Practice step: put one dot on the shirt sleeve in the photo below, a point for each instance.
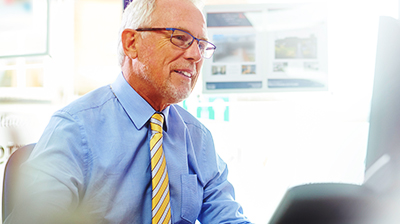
(50, 182)
(219, 205)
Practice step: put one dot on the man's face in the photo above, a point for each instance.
(168, 71)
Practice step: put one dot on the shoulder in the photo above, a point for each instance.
(90, 101)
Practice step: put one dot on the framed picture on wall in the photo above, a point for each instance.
(267, 48)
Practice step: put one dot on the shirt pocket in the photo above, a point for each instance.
(192, 197)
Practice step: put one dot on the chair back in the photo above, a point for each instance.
(10, 176)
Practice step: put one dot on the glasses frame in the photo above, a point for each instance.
(183, 47)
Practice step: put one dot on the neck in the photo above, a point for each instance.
(139, 85)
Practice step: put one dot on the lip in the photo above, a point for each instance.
(185, 72)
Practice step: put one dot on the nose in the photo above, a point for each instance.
(193, 52)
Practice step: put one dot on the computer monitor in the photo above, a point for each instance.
(382, 165)
(377, 200)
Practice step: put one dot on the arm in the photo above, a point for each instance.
(219, 205)
(51, 181)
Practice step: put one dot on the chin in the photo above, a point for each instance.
(178, 97)
(177, 94)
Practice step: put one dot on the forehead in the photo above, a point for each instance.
(180, 14)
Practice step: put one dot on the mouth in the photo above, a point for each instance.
(184, 73)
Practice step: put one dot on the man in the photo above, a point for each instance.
(93, 163)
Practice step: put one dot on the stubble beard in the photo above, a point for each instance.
(167, 89)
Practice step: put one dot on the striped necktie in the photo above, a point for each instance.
(161, 211)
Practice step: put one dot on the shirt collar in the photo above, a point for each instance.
(137, 108)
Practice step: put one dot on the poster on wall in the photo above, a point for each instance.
(235, 58)
(263, 48)
(296, 62)
(234, 64)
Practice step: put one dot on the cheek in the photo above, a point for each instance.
(152, 48)
(199, 65)
(162, 44)
(194, 81)
(162, 54)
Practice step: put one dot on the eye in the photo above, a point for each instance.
(181, 37)
(202, 45)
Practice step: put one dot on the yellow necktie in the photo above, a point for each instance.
(161, 210)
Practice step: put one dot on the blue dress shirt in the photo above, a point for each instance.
(94, 158)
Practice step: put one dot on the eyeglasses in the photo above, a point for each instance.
(184, 40)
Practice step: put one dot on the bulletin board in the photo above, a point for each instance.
(264, 48)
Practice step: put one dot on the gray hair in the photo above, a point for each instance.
(138, 14)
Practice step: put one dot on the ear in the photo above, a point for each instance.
(128, 39)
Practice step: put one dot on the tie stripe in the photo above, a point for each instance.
(161, 208)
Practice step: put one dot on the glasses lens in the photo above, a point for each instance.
(206, 48)
(184, 40)
(181, 39)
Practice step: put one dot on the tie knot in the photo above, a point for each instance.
(156, 122)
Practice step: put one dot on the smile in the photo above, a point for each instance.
(184, 73)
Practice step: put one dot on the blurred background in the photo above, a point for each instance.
(54, 51)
